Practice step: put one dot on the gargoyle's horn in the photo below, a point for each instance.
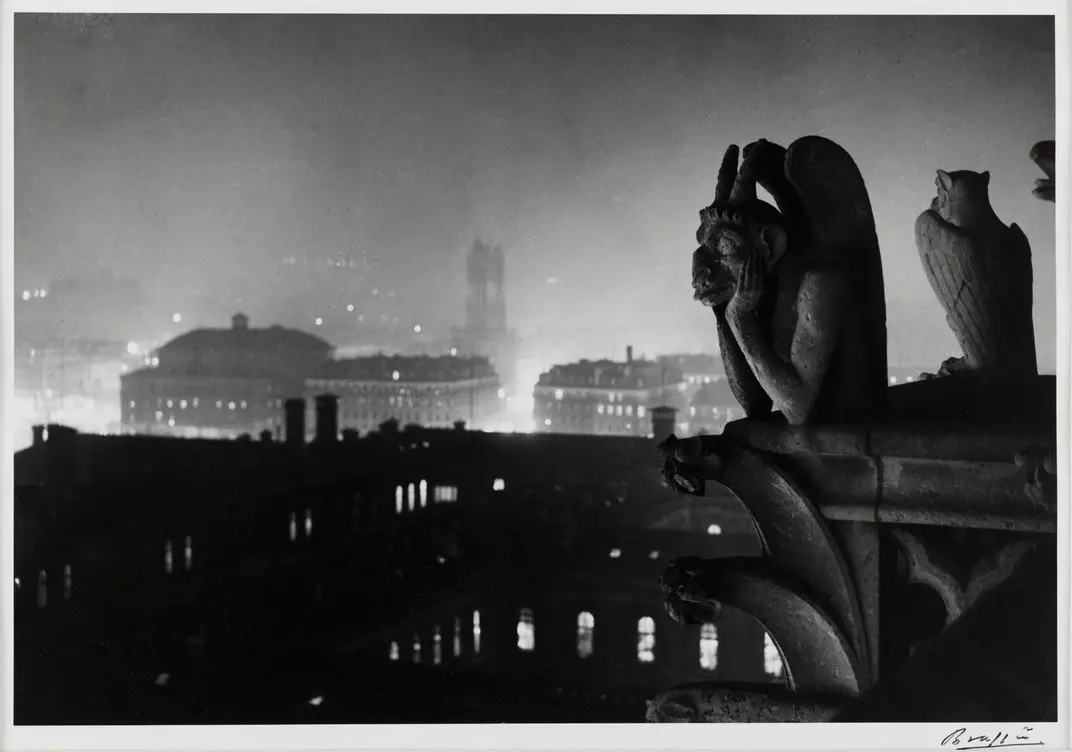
(727, 173)
(744, 189)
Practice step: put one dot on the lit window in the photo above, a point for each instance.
(772, 657)
(526, 631)
(196, 400)
(893, 379)
(547, 421)
(437, 647)
(502, 394)
(395, 375)
(498, 485)
(559, 394)
(586, 625)
(42, 589)
(394, 651)
(629, 410)
(653, 555)
(243, 404)
(708, 647)
(318, 321)
(416, 648)
(453, 351)
(293, 526)
(67, 582)
(424, 493)
(457, 637)
(476, 632)
(25, 294)
(618, 410)
(692, 411)
(610, 397)
(176, 318)
(171, 422)
(714, 529)
(182, 404)
(646, 640)
(132, 403)
(399, 493)
(188, 553)
(219, 403)
(350, 307)
(615, 553)
(628, 426)
(230, 406)
(707, 379)
(308, 522)
(640, 411)
(412, 497)
(600, 408)
(170, 403)
(169, 560)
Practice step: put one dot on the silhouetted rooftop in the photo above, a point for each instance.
(410, 368)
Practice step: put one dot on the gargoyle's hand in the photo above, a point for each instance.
(750, 285)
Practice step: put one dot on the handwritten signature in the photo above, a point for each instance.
(961, 739)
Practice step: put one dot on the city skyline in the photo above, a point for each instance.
(197, 153)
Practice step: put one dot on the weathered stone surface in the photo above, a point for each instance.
(711, 702)
(797, 291)
(980, 269)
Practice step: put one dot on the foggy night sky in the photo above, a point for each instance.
(196, 152)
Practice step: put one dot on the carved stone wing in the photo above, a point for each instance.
(835, 200)
(958, 274)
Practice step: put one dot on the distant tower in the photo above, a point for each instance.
(485, 307)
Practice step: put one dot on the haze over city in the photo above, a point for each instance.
(198, 154)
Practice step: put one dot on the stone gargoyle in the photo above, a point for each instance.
(980, 270)
(796, 290)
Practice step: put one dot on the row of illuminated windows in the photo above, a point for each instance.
(437, 642)
(586, 625)
(196, 402)
(610, 410)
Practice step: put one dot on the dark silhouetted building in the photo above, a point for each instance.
(429, 391)
(606, 397)
(505, 577)
(221, 382)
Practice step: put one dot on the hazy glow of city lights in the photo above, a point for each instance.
(417, 328)
(177, 318)
(132, 348)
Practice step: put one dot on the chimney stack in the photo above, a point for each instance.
(629, 354)
(327, 418)
(662, 422)
(38, 435)
(295, 421)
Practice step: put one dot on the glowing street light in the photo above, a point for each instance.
(350, 308)
(25, 294)
(453, 351)
(395, 376)
(417, 328)
(319, 321)
(177, 318)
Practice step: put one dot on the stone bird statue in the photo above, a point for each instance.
(980, 269)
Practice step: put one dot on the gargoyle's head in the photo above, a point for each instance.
(734, 225)
(687, 601)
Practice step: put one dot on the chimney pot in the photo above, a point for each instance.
(295, 421)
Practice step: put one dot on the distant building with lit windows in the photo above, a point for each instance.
(434, 392)
(606, 397)
(711, 408)
(221, 382)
